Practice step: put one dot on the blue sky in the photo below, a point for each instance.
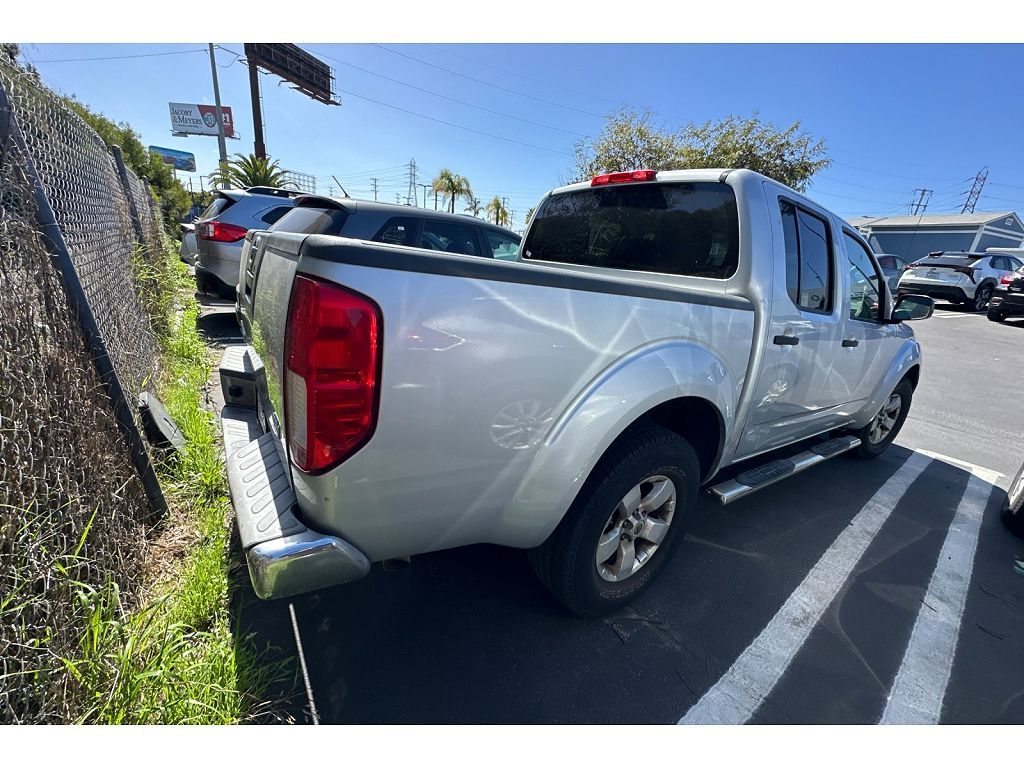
(894, 117)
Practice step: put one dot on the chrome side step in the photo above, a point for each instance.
(757, 478)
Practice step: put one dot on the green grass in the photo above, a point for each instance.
(175, 660)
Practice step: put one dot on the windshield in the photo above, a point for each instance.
(947, 260)
(679, 229)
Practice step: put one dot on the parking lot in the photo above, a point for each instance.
(837, 596)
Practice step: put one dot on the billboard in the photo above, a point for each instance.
(199, 120)
(307, 73)
(182, 161)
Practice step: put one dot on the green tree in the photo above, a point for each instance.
(497, 209)
(250, 171)
(173, 198)
(451, 186)
(630, 140)
(529, 215)
(474, 207)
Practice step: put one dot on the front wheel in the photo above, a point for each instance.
(624, 525)
(883, 428)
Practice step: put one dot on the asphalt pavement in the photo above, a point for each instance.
(856, 592)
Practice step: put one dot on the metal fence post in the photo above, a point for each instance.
(122, 171)
(54, 238)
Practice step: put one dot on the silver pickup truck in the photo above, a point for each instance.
(656, 329)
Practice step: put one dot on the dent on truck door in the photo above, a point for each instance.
(797, 392)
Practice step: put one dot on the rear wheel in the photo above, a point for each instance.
(883, 428)
(981, 298)
(995, 315)
(625, 524)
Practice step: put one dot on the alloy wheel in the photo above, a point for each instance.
(636, 528)
(886, 419)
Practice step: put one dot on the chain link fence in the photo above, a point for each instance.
(80, 247)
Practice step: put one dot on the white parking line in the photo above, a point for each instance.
(920, 685)
(736, 696)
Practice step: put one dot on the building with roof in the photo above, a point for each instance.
(914, 237)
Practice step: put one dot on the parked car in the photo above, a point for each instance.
(189, 248)
(400, 225)
(221, 229)
(892, 268)
(958, 276)
(1012, 514)
(1008, 298)
(657, 328)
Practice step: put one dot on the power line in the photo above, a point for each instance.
(126, 56)
(455, 125)
(524, 77)
(484, 82)
(893, 175)
(451, 98)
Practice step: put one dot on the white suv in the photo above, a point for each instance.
(957, 276)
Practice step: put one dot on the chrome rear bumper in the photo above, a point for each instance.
(284, 556)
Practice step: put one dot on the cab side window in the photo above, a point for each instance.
(808, 241)
(865, 303)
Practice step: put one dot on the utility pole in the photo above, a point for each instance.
(374, 189)
(410, 196)
(220, 118)
(920, 205)
(425, 188)
(257, 111)
(979, 184)
(435, 199)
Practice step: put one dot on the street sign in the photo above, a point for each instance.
(182, 161)
(199, 120)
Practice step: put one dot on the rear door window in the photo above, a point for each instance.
(450, 237)
(808, 239)
(687, 229)
(503, 246)
(399, 230)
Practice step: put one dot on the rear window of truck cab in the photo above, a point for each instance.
(687, 229)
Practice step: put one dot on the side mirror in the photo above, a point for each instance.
(911, 307)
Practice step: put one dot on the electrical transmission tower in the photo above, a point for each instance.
(979, 184)
(920, 205)
(410, 196)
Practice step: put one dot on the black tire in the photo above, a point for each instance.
(1012, 514)
(982, 295)
(566, 562)
(870, 450)
(995, 315)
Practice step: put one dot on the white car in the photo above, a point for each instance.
(958, 276)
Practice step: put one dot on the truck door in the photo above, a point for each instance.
(867, 343)
(796, 394)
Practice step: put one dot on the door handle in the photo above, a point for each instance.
(850, 342)
(786, 341)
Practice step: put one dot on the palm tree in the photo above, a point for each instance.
(453, 186)
(251, 171)
(497, 209)
(474, 207)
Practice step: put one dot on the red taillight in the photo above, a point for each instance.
(969, 271)
(622, 178)
(332, 355)
(222, 233)
(1006, 279)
